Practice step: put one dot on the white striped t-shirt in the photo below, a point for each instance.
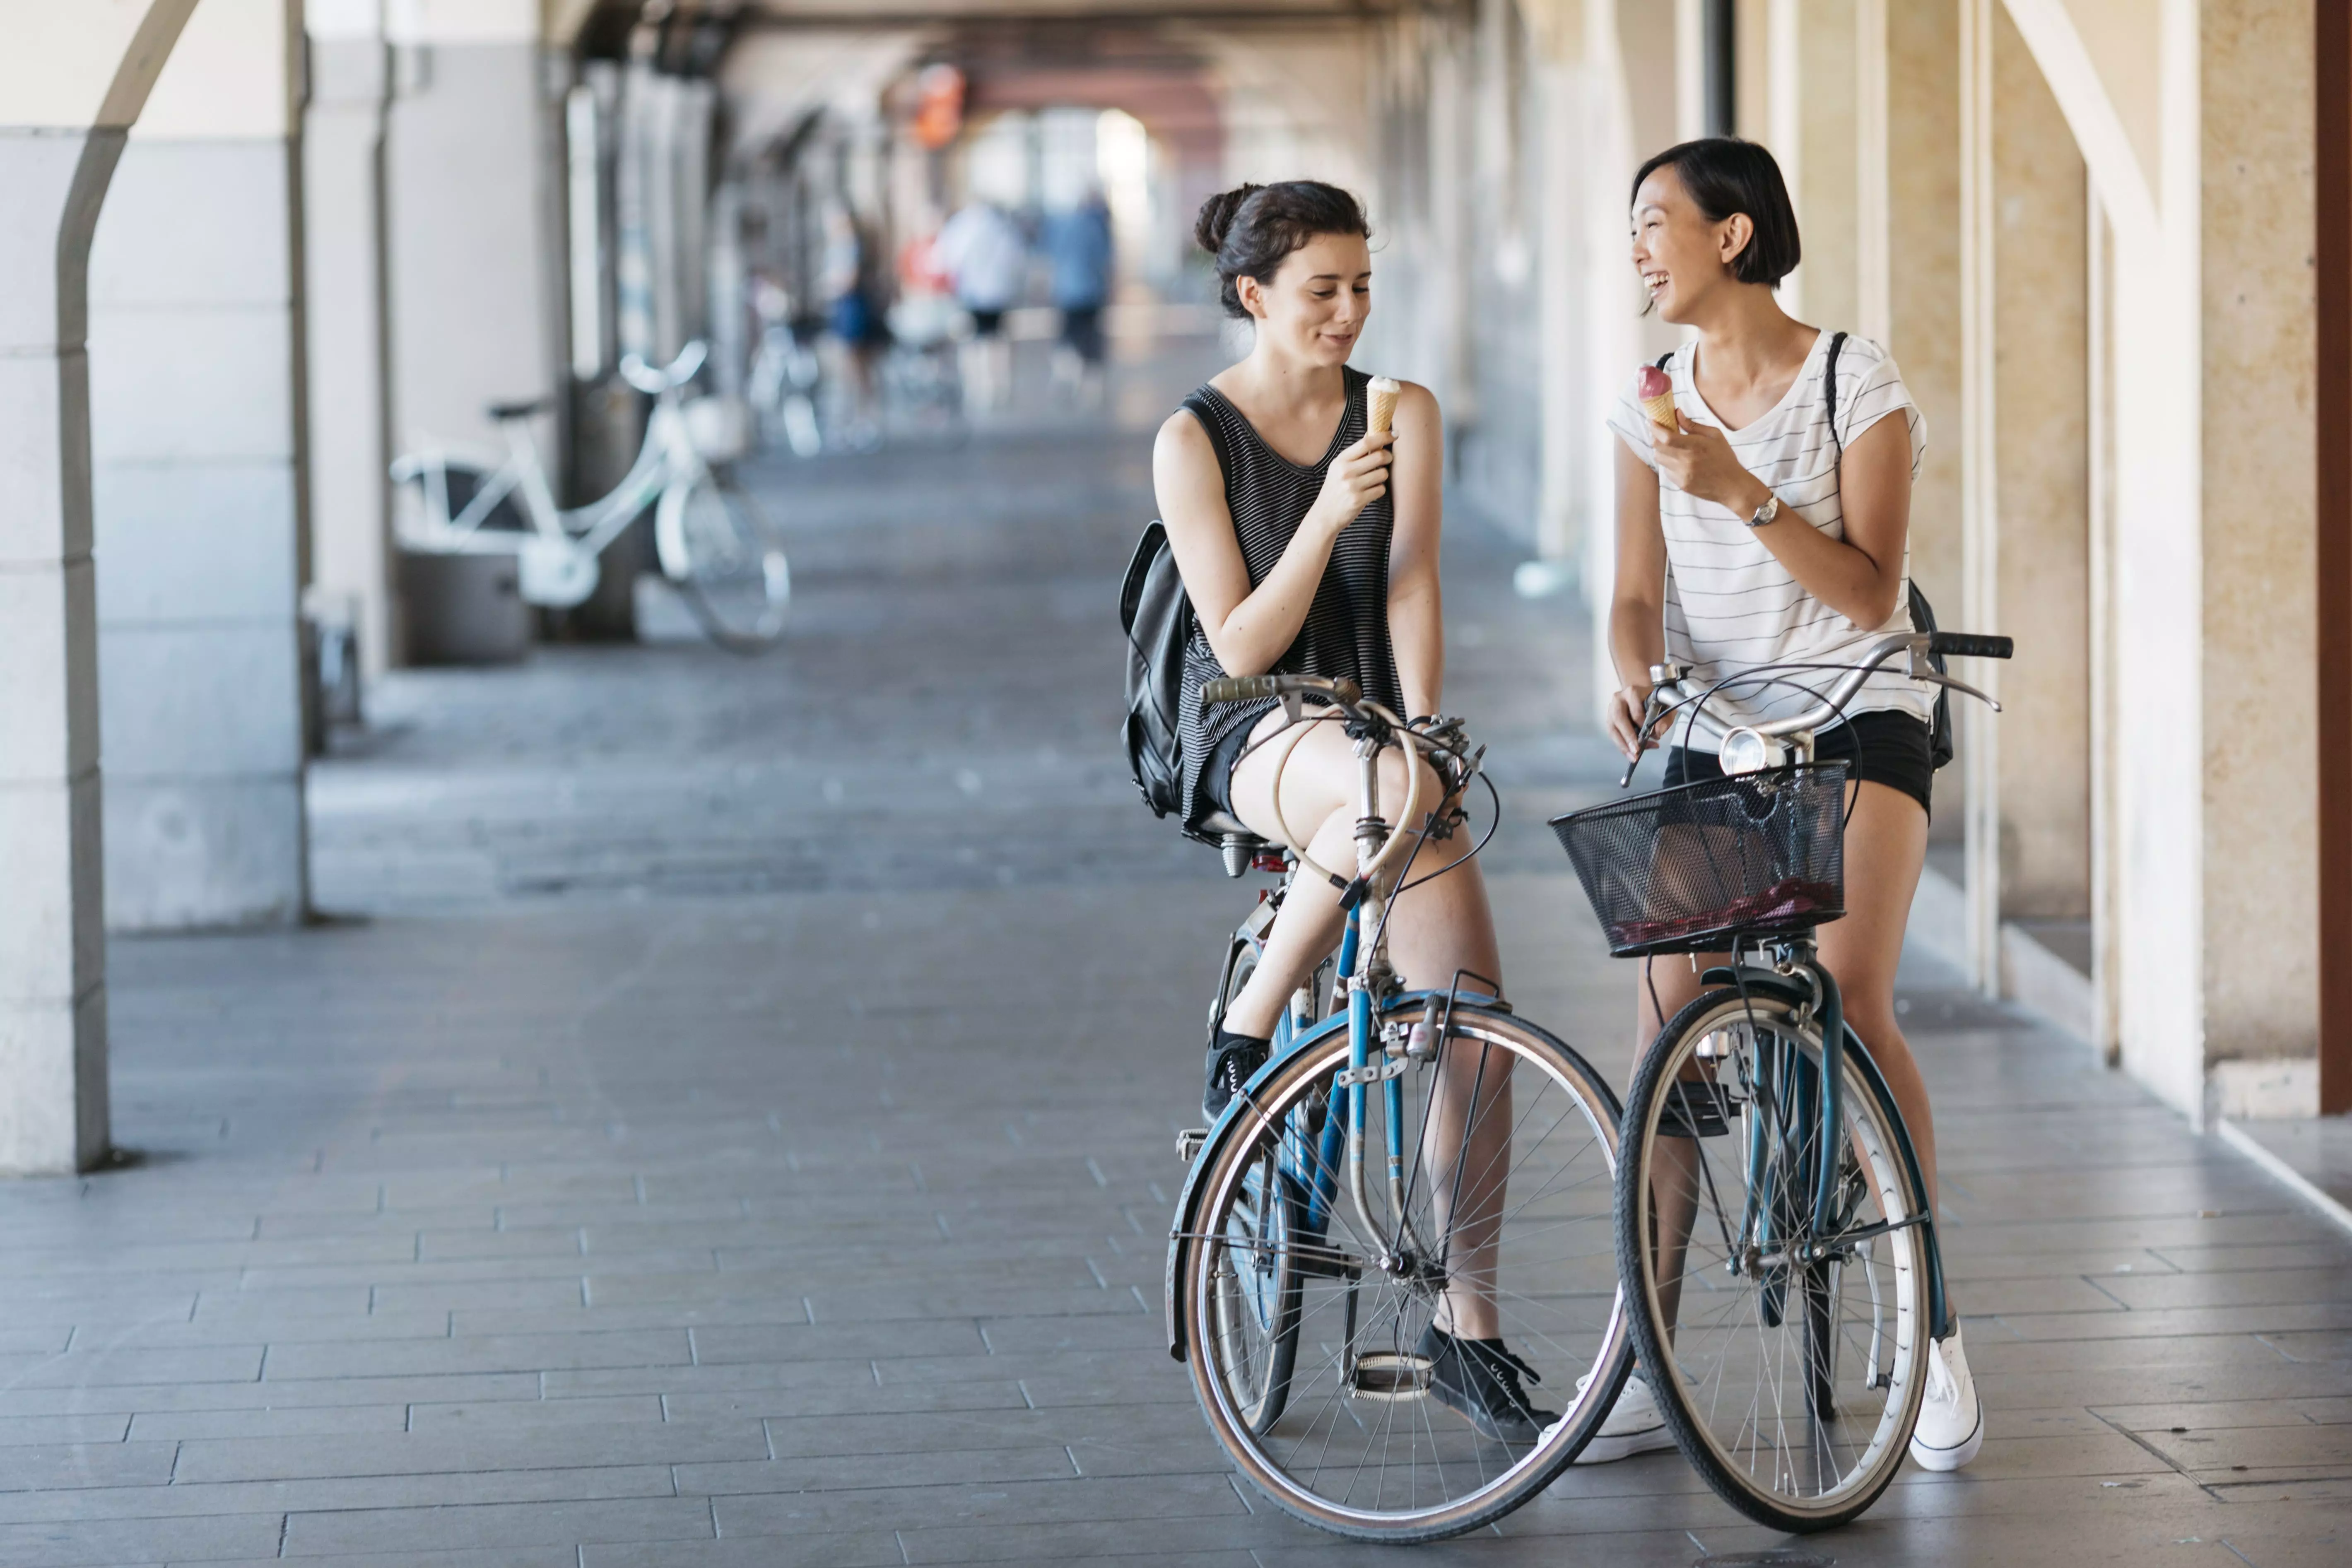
(1730, 604)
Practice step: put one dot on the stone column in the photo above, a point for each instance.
(194, 332)
(53, 1113)
(2260, 631)
(68, 87)
(2040, 498)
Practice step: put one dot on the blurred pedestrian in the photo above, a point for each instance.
(1078, 244)
(850, 278)
(985, 256)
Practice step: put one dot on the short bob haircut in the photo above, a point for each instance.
(1723, 176)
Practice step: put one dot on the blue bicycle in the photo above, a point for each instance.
(1410, 1172)
(1772, 1223)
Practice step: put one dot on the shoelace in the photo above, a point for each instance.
(1941, 1384)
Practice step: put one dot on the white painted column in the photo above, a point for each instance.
(70, 82)
(470, 259)
(344, 320)
(194, 324)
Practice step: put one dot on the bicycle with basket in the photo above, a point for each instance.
(1772, 1230)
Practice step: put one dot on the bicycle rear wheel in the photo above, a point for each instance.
(727, 562)
(1793, 1355)
(1504, 1148)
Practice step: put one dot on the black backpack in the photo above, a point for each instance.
(1923, 615)
(1158, 619)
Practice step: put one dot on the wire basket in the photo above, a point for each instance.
(1688, 870)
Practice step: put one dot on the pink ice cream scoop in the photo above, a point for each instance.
(1657, 396)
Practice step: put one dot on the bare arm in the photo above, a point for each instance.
(1860, 576)
(1637, 602)
(1416, 606)
(1248, 629)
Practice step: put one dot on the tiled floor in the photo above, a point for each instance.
(729, 1119)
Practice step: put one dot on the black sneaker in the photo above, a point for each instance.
(1480, 1379)
(1231, 1064)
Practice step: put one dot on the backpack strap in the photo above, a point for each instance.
(1197, 403)
(1828, 387)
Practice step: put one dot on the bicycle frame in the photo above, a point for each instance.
(1839, 1044)
(559, 553)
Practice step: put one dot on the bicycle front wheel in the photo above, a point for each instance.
(1479, 1211)
(1788, 1356)
(727, 562)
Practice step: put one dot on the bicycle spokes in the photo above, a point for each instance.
(1326, 1315)
(1792, 1325)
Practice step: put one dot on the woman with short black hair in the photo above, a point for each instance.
(1763, 529)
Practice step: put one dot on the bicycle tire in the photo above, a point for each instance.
(727, 561)
(1724, 1428)
(1319, 1464)
(1271, 1302)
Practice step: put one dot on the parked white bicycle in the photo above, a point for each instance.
(713, 543)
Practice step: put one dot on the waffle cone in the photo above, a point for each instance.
(1661, 410)
(1381, 411)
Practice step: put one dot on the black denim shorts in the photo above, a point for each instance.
(1879, 747)
(1217, 772)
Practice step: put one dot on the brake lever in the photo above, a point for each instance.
(1963, 688)
(1641, 738)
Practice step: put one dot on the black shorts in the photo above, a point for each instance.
(1881, 747)
(1216, 789)
(987, 323)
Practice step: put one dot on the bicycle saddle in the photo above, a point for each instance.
(504, 411)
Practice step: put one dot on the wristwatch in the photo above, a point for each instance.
(1767, 513)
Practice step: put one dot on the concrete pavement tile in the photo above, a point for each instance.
(502, 1352)
(113, 1543)
(101, 1363)
(131, 1397)
(930, 1467)
(495, 1524)
(529, 1416)
(15, 1430)
(860, 1551)
(570, 1485)
(299, 1421)
(424, 1453)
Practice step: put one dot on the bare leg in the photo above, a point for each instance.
(1434, 930)
(1667, 986)
(1885, 845)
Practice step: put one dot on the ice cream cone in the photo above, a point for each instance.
(1381, 401)
(1657, 396)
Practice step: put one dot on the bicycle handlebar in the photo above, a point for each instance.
(1832, 705)
(1969, 644)
(654, 382)
(1252, 687)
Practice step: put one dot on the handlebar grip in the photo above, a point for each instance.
(1235, 689)
(1968, 645)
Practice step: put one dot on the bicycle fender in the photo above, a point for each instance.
(1188, 1197)
(1778, 985)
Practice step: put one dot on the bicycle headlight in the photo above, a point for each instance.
(1745, 752)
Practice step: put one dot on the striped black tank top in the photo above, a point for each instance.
(1347, 627)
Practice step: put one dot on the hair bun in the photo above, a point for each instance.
(1216, 220)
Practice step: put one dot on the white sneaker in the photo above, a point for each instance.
(1951, 1422)
(1633, 1427)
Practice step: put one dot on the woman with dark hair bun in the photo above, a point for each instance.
(1308, 546)
(1763, 518)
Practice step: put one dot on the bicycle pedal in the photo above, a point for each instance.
(1391, 1375)
(1188, 1141)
